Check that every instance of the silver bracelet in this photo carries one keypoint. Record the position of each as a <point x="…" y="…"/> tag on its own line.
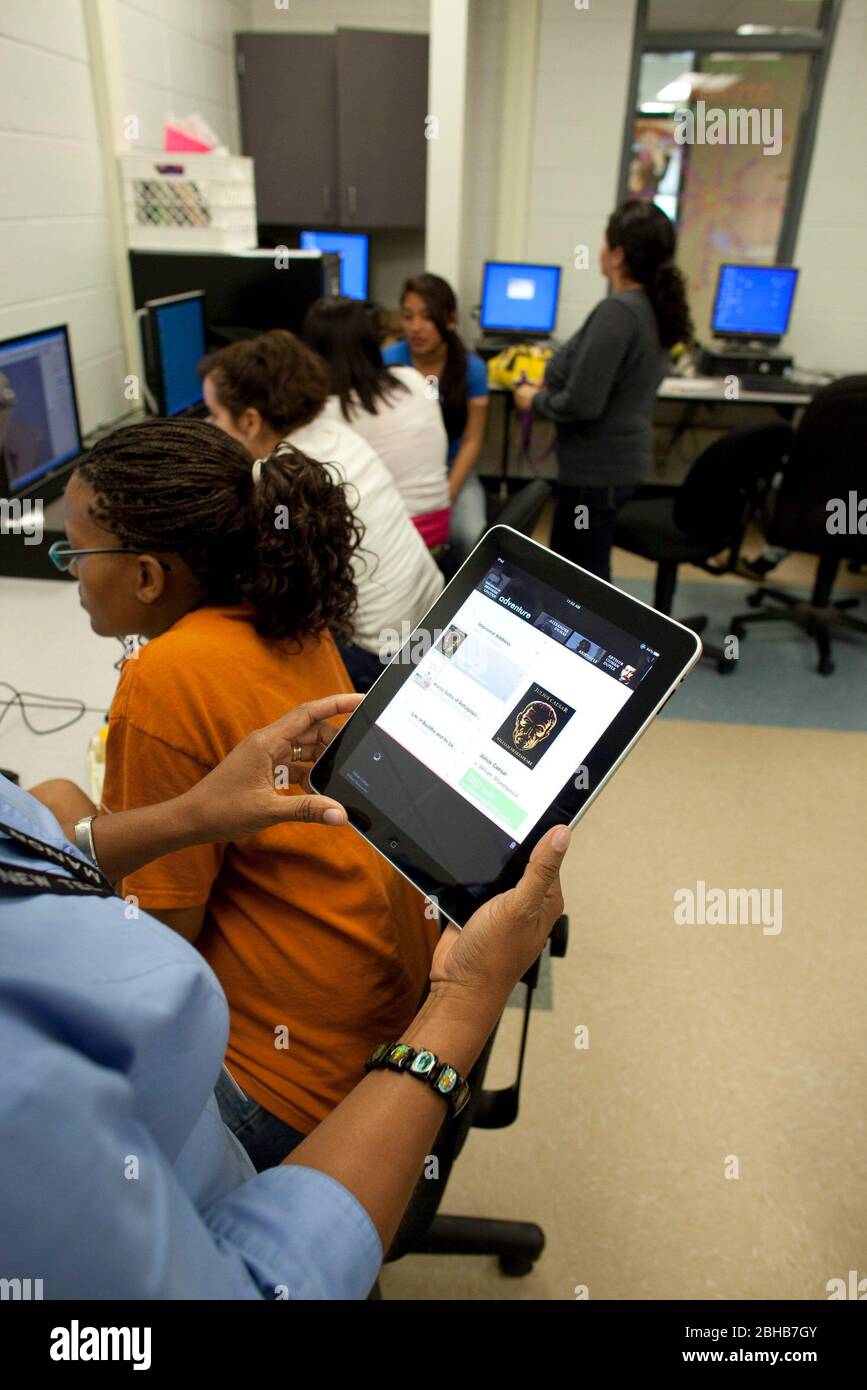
<point x="84" y="837"/>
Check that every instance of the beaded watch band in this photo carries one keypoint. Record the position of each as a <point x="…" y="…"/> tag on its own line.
<point x="426" y="1067"/>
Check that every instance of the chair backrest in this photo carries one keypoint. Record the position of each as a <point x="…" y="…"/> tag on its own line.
<point x="714" y="498"/>
<point x="827" y="462"/>
<point x="523" y="510"/>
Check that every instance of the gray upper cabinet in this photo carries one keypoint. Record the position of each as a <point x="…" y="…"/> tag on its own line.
<point x="287" y="87"/>
<point x="381" y="146"/>
<point x="336" y="126"/>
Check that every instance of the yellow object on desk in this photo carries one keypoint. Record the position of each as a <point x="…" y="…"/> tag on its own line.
<point x="523" y="362"/>
<point x="96" y="763"/>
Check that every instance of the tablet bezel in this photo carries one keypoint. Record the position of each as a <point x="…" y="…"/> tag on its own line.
<point x="679" y="649"/>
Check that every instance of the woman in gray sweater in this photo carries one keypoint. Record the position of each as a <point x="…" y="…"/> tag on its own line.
<point x="600" y="387"/>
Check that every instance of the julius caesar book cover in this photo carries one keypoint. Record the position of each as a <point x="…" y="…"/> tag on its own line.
<point x="533" y="724"/>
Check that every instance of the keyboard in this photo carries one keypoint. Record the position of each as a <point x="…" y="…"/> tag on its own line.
<point x="779" y="385"/>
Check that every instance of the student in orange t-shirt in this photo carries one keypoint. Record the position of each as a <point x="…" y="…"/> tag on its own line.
<point x="323" y="949"/>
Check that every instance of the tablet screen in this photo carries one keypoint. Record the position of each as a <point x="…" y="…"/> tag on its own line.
<point x="504" y="713"/>
<point x="510" y="696"/>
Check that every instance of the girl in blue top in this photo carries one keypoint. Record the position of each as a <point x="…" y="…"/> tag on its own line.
<point x="429" y="311"/>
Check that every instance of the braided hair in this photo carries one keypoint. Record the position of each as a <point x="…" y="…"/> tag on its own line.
<point x="185" y="487"/>
<point x="647" y="238"/>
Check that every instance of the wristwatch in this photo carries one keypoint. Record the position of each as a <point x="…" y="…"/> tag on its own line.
<point x="424" y="1066"/>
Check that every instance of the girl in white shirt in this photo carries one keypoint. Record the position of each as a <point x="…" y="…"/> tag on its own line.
<point x="393" y="408"/>
<point x="272" y="388"/>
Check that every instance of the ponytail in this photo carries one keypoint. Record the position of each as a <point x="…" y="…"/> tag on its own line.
<point x="647" y="239"/>
<point x="667" y="292"/>
<point x="280" y="536"/>
<point x="305" y="535"/>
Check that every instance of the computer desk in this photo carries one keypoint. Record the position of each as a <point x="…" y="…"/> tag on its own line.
<point x="705" y="391"/>
<point x="48" y="646"/>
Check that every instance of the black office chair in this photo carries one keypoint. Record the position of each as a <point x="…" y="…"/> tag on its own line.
<point x="827" y="461"/>
<point x="521" y="512"/>
<point x="706" y="515"/>
<point x="524" y="508"/>
<point x="517" y="1244"/>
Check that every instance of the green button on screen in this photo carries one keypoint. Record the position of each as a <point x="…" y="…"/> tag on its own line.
<point x="483" y="791"/>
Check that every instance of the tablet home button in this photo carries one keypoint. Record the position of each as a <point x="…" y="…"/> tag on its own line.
<point x="394" y="843"/>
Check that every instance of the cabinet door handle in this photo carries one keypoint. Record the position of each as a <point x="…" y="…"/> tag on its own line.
<point x="353" y="199"/>
<point x="326" y="198"/>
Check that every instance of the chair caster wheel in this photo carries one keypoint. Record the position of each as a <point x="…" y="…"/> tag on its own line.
<point x="514" y="1266"/>
<point x="754" y="600"/>
<point x="725" y="666"/>
<point x="826" y="666"/>
<point x="739" y="631"/>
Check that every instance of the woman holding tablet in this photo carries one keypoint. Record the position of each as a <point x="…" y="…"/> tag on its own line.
<point x="391" y="407"/>
<point x="112" y="1035"/>
<point x="600" y="387"/>
<point x="432" y="345"/>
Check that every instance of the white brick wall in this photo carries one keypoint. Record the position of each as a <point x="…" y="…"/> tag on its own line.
<point x="829" y="323"/>
<point x="178" y="55"/>
<point x="55" y="256"/>
<point x="485" y="60"/>
<point x="55" y="259"/>
<point x="584" y="66"/>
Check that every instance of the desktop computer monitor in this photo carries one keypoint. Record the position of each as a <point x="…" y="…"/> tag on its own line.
<point x="353" y="249"/>
<point x="176" y="342"/>
<point x="753" y="301"/>
<point x="39" y="424"/>
<point x="518" y="298"/>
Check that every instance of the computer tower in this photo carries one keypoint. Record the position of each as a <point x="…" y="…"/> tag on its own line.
<point x="246" y="292"/>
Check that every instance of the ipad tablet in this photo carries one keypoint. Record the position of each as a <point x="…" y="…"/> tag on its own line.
<point x="505" y="712"/>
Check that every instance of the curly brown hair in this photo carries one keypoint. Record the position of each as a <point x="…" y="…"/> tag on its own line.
<point x="185" y="487"/>
<point x="275" y="373"/>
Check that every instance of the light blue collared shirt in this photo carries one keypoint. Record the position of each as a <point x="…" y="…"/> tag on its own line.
<point x="117" y="1177"/>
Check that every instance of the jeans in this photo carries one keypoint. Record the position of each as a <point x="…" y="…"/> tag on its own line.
<point x="362" y="667"/>
<point x="469" y="518"/>
<point x="589" y="542"/>
<point x="266" y="1139"/>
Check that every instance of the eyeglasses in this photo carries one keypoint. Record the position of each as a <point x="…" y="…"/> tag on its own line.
<point x="62" y="554"/>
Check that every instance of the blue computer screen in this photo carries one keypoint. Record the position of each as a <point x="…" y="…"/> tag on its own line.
<point x="38" y="414"/>
<point x="352" y="247"/>
<point x="754" y="300"/>
<point x="520" y="298"/>
<point x="180" y="331"/>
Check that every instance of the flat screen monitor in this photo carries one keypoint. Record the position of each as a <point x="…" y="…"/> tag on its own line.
<point x="177" y="338"/>
<point x="753" y="301"/>
<point x="39" y="424"/>
<point x="353" y="249"/>
<point x="518" y="298"/>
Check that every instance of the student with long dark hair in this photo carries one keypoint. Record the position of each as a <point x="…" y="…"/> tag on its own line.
<point x="429" y="311"/>
<point x="600" y="387"/>
<point x="321" y="947"/>
<point x="393" y="408"/>
<point x="272" y="388"/>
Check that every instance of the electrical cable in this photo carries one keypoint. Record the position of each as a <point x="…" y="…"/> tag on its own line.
<point x="26" y="700"/>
